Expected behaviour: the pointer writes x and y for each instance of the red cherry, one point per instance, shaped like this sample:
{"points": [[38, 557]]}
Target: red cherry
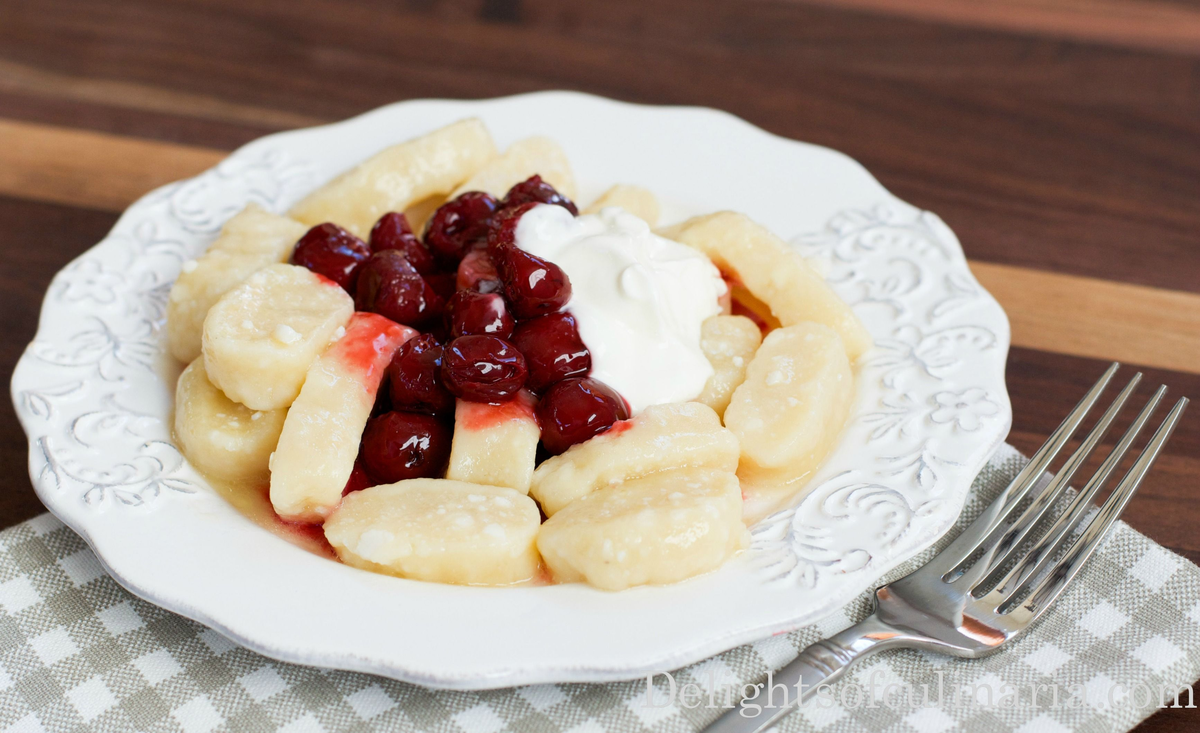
{"points": [[390, 286], [483, 369], [404, 445], [536, 190], [533, 286], [476, 272], [359, 479], [553, 350], [576, 409], [392, 231], [391, 224], [445, 284], [329, 250], [469, 312], [459, 222], [415, 380], [502, 232]]}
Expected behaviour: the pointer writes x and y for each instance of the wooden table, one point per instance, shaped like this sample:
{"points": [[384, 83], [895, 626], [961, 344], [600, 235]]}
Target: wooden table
{"points": [[1060, 140]]}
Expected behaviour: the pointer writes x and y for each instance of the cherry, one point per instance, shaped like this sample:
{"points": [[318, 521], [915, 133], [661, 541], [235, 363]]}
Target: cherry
{"points": [[404, 445], [470, 312], [533, 286], [502, 232], [390, 286], [445, 284], [393, 231], [536, 190], [483, 369], [476, 272], [576, 409], [359, 479], [414, 377], [459, 222], [553, 350], [329, 250]]}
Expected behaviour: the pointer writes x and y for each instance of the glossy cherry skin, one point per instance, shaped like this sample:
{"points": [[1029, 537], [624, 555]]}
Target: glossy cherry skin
{"points": [[483, 369], [445, 284], [534, 189], [393, 231], [574, 410], [502, 231], [533, 286], [476, 272], [404, 445], [415, 378], [553, 350], [329, 250], [359, 479], [470, 312], [458, 223], [390, 286]]}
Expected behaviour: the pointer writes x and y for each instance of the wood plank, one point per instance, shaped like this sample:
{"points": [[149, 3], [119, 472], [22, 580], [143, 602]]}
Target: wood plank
{"points": [[1049, 311], [120, 120], [90, 169], [1144, 24], [1101, 319], [1017, 141], [36, 80]]}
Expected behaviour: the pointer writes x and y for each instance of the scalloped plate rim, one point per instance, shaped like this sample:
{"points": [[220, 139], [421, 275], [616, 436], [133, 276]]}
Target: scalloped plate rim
{"points": [[503, 676]]}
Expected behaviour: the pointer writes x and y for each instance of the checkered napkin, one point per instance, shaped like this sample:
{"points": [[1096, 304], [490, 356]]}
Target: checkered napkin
{"points": [[78, 653]]}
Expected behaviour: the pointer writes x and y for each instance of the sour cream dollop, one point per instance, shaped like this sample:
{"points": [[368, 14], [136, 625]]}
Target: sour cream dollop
{"points": [[639, 299]]}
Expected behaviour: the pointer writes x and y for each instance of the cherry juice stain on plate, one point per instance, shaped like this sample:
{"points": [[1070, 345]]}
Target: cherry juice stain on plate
{"points": [[254, 502]]}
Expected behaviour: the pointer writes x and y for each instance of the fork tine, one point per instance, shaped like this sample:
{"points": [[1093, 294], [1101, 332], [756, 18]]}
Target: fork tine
{"points": [[972, 537], [1044, 595], [1017, 532], [1055, 536]]}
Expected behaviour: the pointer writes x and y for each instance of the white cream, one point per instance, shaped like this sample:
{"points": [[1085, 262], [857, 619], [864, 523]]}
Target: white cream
{"points": [[639, 299]]}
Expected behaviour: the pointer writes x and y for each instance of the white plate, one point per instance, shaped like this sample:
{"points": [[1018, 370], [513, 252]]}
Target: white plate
{"points": [[93, 392]]}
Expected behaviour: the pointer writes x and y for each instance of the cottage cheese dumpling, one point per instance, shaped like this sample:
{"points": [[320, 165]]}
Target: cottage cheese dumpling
{"points": [[653, 530], [495, 444], [729, 342], [773, 273], [438, 530], [663, 437], [525, 158], [398, 177], [220, 437], [320, 437], [638, 201], [251, 240], [789, 412], [262, 336]]}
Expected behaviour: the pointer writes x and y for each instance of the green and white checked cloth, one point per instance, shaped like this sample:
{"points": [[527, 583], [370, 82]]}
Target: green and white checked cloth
{"points": [[78, 653]]}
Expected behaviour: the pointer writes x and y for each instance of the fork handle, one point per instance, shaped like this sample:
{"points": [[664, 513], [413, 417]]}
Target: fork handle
{"points": [[820, 664]]}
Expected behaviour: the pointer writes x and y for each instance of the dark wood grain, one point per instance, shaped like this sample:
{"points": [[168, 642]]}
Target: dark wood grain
{"points": [[141, 123], [1146, 24], [1049, 134], [1037, 151]]}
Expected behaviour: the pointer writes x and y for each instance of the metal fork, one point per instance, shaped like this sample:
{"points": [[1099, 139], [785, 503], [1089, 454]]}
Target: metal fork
{"points": [[987, 587]]}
